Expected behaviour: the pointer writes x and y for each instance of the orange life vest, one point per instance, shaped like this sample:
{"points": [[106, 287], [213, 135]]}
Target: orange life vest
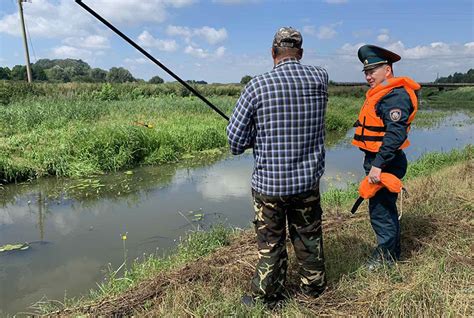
{"points": [[391, 182], [370, 128], [368, 190]]}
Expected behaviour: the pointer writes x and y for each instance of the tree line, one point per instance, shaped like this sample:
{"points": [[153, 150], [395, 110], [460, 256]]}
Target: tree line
{"points": [[71, 70], [467, 77]]}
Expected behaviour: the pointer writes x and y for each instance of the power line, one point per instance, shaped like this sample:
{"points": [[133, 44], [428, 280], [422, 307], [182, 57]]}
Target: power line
{"points": [[31, 42]]}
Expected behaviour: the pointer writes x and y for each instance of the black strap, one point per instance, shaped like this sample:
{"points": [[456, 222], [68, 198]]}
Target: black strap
{"points": [[371, 128], [356, 204], [367, 138]]}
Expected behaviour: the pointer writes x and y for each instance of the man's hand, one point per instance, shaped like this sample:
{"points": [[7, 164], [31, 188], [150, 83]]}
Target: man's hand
{"points": [[374, 175]]}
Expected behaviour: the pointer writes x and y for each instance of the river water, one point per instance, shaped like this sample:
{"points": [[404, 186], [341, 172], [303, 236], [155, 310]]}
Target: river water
{"points": [[75, 226]]}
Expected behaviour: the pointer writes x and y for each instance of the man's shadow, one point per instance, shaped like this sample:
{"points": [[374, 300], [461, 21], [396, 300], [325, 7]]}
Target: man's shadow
{"points": [[346, 253], [416, 230]]}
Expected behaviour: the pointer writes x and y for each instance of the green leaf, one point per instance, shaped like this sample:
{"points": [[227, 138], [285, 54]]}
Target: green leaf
{"points": [[14, 247]]}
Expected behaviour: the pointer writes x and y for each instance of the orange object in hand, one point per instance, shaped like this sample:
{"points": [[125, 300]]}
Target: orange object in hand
{"points": [[391, 182], [368, 190]]}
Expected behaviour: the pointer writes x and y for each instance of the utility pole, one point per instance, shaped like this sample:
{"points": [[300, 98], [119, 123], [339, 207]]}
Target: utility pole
{"points": [[25, 42]]}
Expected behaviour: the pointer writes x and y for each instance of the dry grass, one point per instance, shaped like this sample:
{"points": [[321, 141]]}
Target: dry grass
{"points": [[434, 277]]}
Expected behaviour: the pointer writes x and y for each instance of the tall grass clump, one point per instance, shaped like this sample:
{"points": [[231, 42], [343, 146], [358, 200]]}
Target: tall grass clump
{"points": [[191, 248], [342, 113], [76, 138]]}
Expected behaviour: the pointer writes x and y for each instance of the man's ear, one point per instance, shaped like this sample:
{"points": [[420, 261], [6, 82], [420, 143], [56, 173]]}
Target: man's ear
{"points": [[300, 55], [273, 53]]}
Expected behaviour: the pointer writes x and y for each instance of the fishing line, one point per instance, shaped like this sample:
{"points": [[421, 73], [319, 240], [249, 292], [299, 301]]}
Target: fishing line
{"points": [[31, 42], [148, 55]]}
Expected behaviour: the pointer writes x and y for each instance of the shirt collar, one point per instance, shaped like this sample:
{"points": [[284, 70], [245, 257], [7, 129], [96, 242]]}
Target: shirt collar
{"points": [[287, 61]]}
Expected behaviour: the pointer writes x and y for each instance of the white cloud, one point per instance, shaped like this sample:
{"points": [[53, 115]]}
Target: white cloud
{"points": [[174, 30], [147, 40], [324, 32], [202, 53], [10, 24], [139, 60], [336, 1], [196, 52], [66, 51], [64, 18], [421, 62], [469, 46], [211, 35], [137, 12], [220, 51], [435, 49], [233, 2], [383, 36], [46, 19], [91, 41], [364, 33]]}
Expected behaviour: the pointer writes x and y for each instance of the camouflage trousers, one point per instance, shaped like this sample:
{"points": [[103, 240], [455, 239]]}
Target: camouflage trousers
{"points": [[303, 214]]}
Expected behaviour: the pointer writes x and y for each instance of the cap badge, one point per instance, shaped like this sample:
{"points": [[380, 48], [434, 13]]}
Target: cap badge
{"points": [[366, 62]]}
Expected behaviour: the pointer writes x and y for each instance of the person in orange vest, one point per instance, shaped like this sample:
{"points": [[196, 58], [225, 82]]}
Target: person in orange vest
{"points": [[381, 132]]}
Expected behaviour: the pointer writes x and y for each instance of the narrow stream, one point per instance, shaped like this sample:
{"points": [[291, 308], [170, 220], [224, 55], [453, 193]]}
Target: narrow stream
{"points": [[76, 225]]}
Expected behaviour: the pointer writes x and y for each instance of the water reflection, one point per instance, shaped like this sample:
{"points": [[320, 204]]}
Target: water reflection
{"points": [[76, 225]]}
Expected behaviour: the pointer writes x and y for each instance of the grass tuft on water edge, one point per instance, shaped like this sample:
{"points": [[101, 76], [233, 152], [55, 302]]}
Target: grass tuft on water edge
{"points": [[196, 245]]}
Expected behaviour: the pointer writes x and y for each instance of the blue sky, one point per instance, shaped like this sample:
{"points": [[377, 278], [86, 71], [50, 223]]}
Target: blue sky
{"points": [[223, 40]]}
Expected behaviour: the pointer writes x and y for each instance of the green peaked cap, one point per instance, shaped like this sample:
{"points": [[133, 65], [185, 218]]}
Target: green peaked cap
{"points": [[372, 56]]}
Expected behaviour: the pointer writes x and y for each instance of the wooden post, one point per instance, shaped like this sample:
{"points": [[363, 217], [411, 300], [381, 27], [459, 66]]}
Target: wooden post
{"points": [[25, 42]]}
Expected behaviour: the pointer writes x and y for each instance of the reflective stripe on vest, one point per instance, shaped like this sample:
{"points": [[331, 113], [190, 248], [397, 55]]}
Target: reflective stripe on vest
{"points": [[370, 128]]}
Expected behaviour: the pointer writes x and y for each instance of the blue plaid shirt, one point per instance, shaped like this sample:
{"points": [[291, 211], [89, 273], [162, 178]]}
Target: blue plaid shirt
{"points": [[280, 114]]}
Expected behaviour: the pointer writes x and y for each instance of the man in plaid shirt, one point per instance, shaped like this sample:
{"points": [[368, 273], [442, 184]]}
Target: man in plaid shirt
{"points": [[280, 115]]}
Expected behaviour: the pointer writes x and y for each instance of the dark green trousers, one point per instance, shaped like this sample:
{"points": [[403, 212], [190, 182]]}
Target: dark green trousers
{"points": [[302, 213], [383, 210]]}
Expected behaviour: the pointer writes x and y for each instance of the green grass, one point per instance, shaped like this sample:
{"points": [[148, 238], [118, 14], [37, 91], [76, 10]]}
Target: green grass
{"points": [[77, 130], [342, 113], [338, 200], [78, 137], [455, 99], [211, 270]]}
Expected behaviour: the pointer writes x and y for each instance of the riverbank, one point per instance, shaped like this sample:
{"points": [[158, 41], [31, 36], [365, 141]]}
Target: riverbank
{"points": [[84, 130], [210, 271], [79, 137]]}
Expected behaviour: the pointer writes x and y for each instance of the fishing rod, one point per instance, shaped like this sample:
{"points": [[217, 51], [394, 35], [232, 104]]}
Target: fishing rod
{"points": [[154, 60]]}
